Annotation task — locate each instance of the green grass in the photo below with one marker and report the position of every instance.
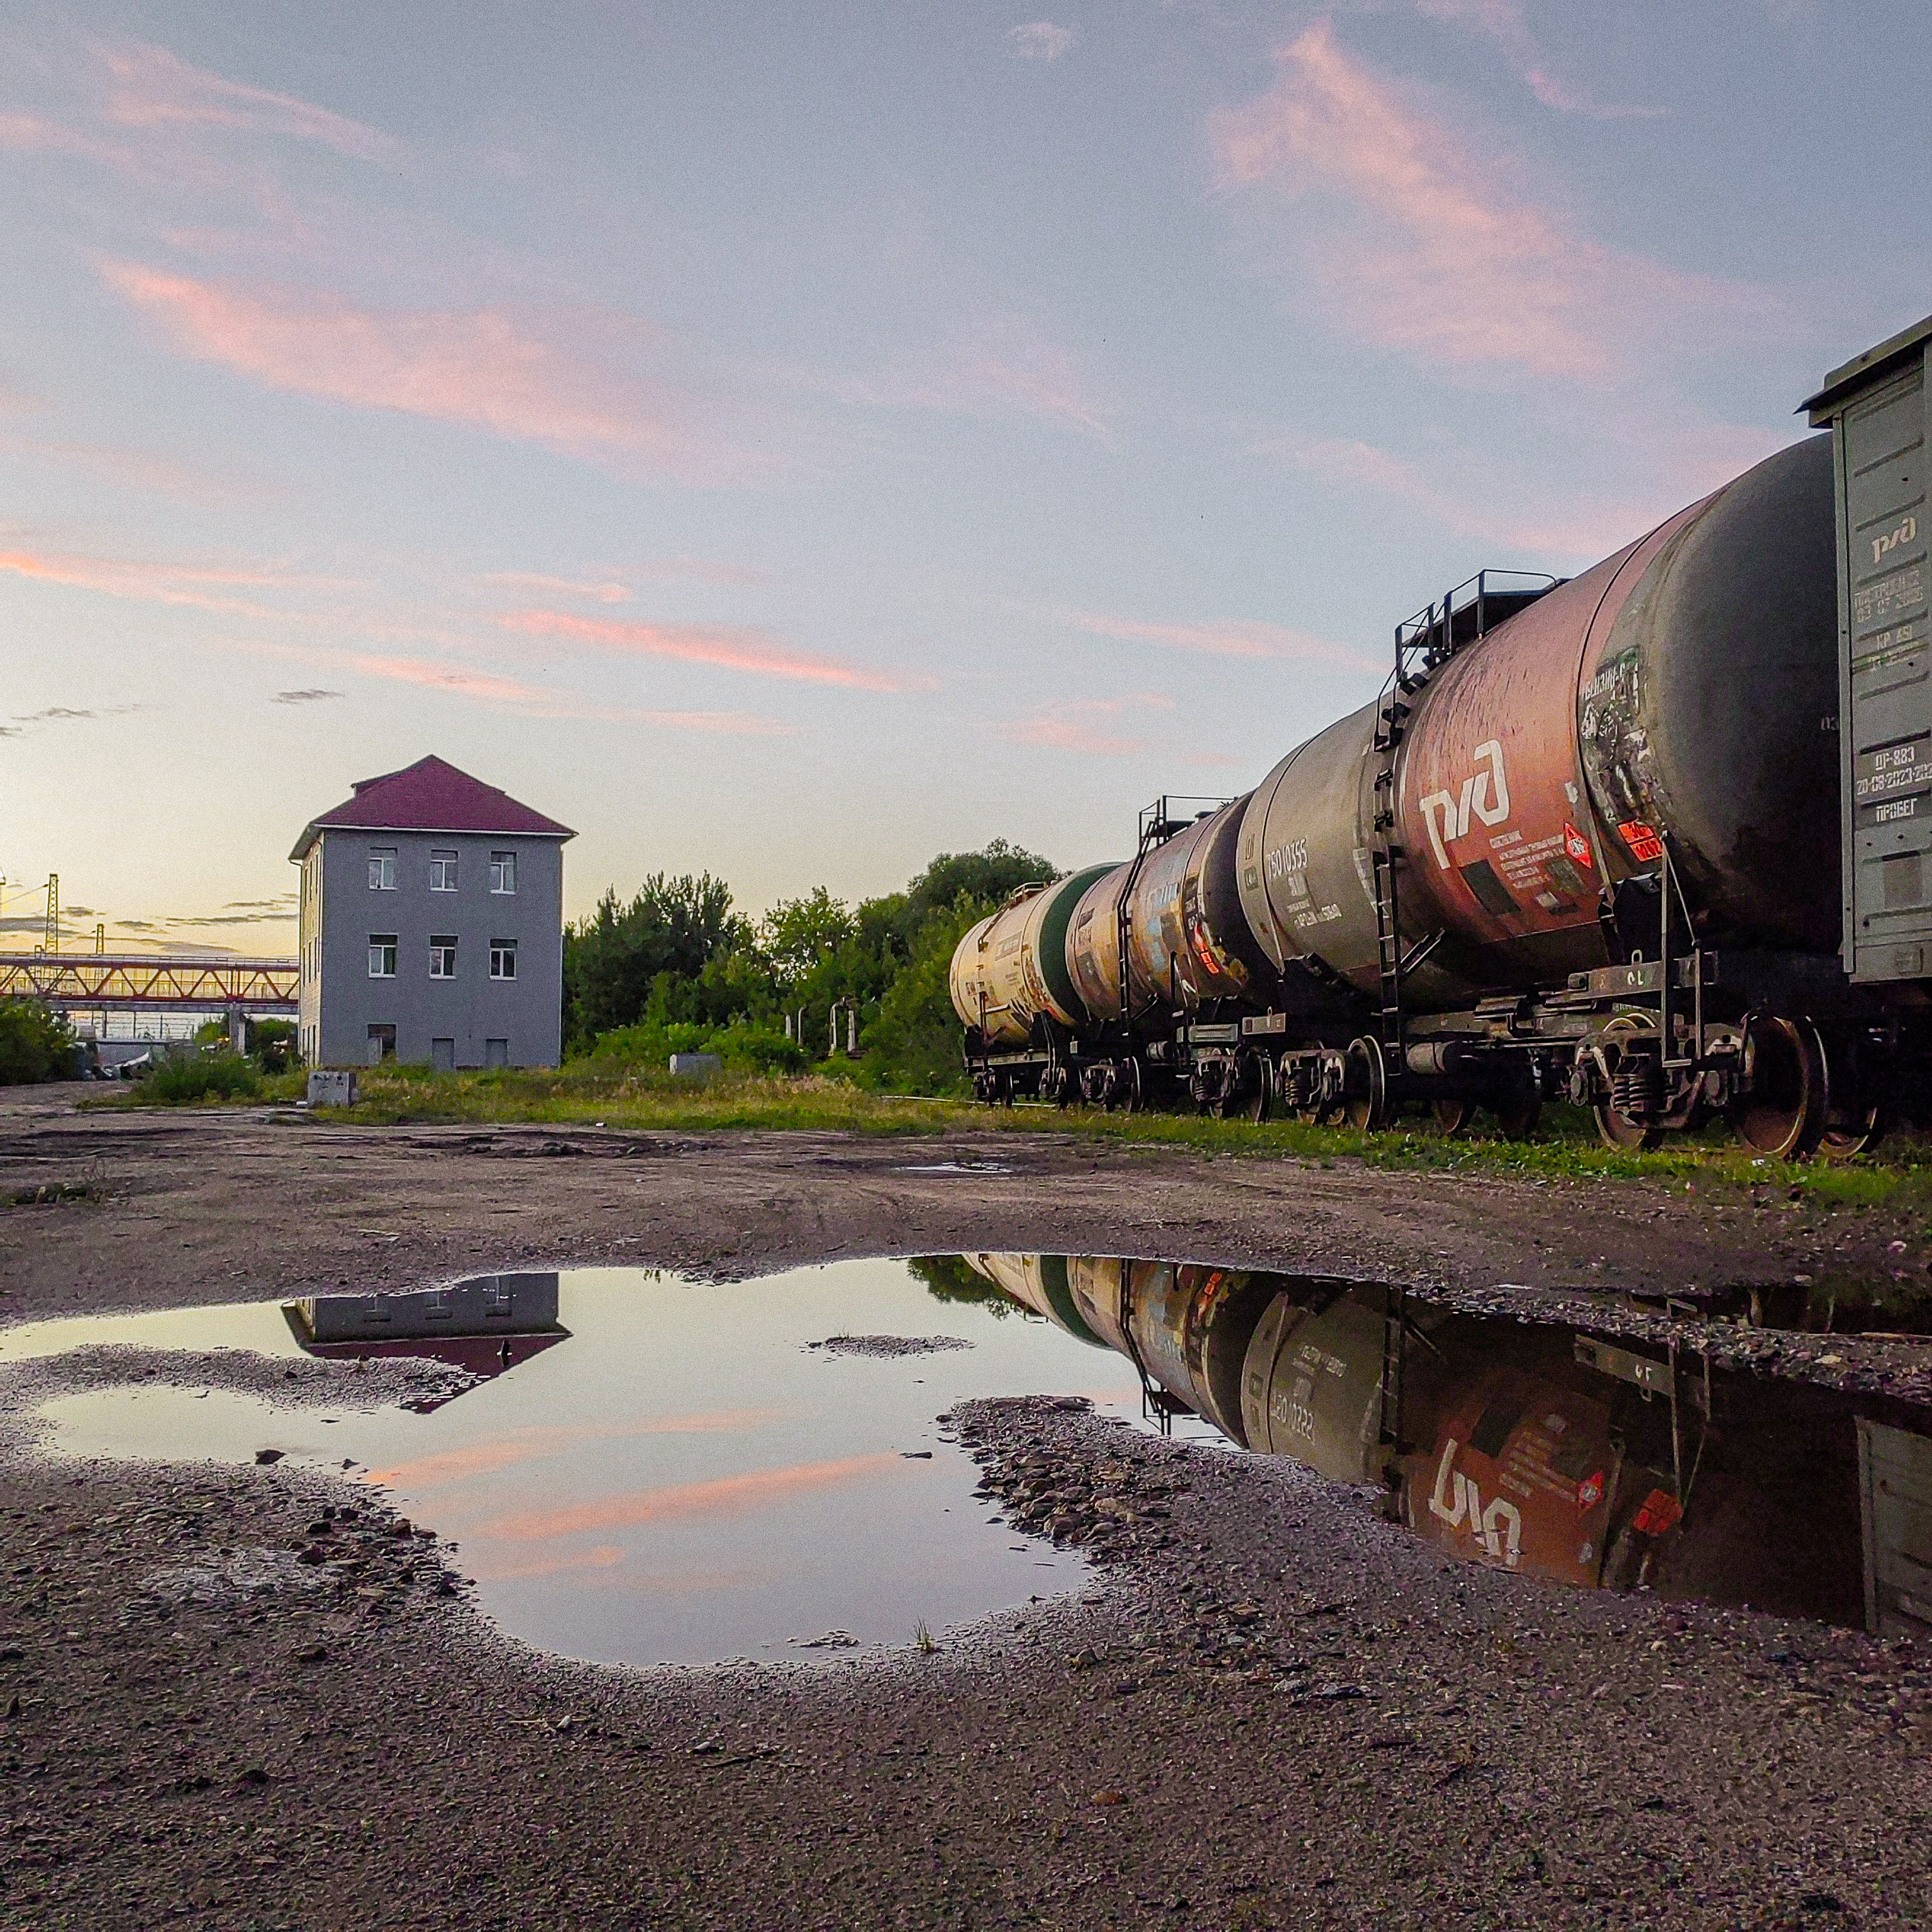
(1564, 1149)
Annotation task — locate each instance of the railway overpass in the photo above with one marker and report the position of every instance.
(109, 982)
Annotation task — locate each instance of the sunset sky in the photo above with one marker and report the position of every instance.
(790, 441)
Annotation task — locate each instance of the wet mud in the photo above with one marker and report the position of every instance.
(1271, 1707)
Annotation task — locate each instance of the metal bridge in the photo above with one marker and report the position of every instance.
(145, 981)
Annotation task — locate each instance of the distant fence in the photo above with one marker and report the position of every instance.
(103, 980)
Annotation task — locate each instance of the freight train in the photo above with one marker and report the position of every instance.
(1602, 839)
(1530, 1448)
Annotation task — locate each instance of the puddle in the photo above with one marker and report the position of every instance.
(1534, 1447)
(641, 1469)
(665, 1470)
(958, 1167)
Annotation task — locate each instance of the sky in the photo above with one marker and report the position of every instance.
(788, 442)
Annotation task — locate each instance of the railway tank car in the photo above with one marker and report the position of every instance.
(1584, 845)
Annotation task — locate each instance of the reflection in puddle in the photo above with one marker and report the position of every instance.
(482, 1326)
(1533, 1448)
(672, 1472)
(647, 1469)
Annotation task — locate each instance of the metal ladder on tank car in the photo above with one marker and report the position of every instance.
(1158, 824)
(1423, 644)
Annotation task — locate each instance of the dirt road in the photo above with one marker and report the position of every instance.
(1279, 1711)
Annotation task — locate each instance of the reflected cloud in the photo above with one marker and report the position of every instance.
(602, 1556)
(538, 1445)
(722, 1496)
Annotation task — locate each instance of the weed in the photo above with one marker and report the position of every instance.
(923, 1640)
(633, 1099)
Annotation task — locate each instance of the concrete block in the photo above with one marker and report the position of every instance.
(697, 1066)
(332, 1087)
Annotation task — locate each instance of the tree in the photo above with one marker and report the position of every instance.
(990, 875)
(913, 1046)
(800, 935)
(36, 1043)
(612, 960)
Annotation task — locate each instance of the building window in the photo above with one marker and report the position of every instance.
(442, 955)
(502, 871)
(443, 871)
(502, 958)
(381, 868)
(382, 1044)
(382, 956)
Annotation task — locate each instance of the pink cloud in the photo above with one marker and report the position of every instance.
(1588, 526)
(539, 701)
(155, 89)
(599, 1556)
(202, 588)
(996, 365)
(34, 134)
(542, 1442)
(1233, 637)
(480, 369)
(1069, 727)
(1502, 21)
(606, 592)
(730, 649)
(611, 590)
(1413, 241)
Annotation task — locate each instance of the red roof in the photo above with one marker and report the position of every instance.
(430, 796)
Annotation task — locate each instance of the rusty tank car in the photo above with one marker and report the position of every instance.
(1588, 844)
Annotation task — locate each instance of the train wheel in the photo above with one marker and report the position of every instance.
(1622, 1040)
(1518, 1105)
(1132, 1099)
(1453, 1116)
(1857, 1135)
(1785, 1114)
(1258, 1090)
(1365, 1086)
(1850, 1133)
(1853, 1126)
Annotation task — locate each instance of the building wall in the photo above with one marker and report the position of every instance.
(308, 930)
(455, 1019)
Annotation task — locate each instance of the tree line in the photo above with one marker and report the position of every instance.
(676, 970)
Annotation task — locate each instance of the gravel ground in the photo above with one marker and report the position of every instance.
(1272, 1709)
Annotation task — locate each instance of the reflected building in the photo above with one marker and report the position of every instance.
(483, 1325)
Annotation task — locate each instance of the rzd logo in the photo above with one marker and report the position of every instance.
(1906, 533)
(1485, 793)
(1498, 1527)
